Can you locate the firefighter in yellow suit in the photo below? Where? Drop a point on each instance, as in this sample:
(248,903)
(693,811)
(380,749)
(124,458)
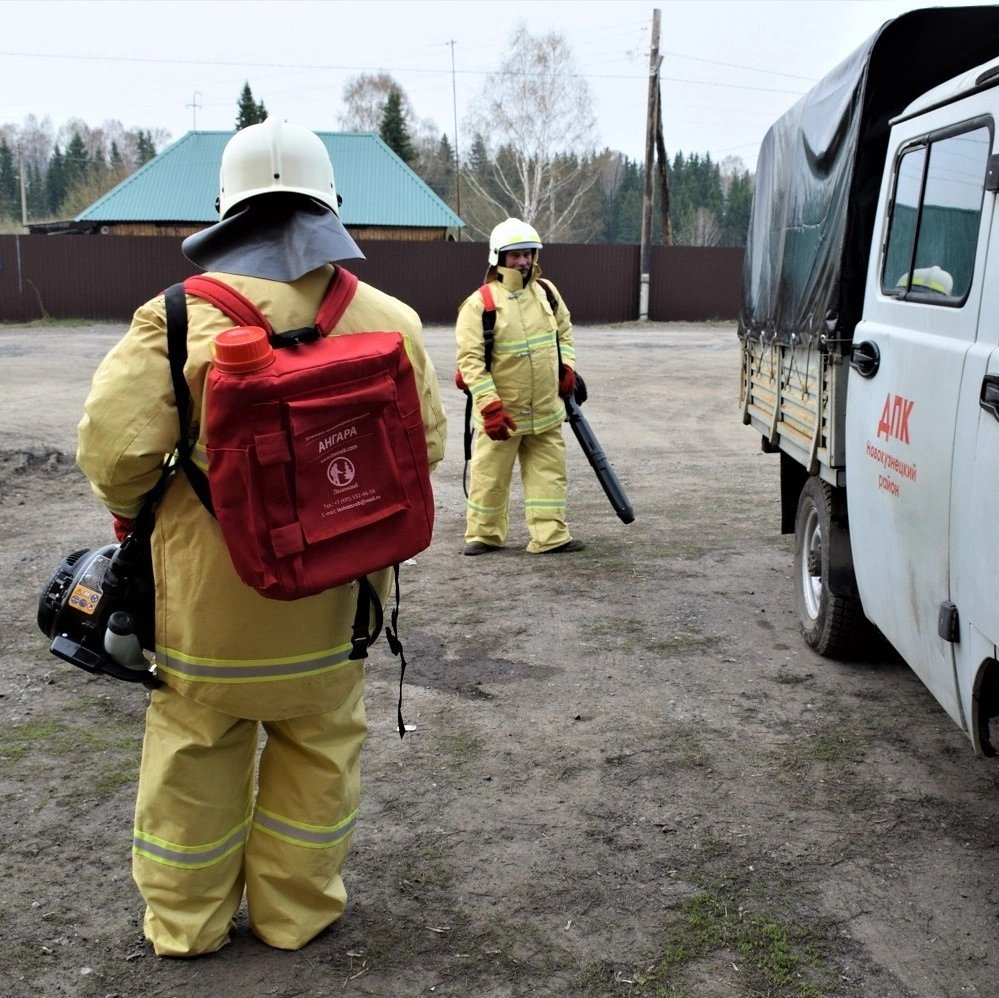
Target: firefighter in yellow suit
(209,825)
(517,397)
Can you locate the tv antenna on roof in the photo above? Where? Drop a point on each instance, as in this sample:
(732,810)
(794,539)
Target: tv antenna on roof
(194,105)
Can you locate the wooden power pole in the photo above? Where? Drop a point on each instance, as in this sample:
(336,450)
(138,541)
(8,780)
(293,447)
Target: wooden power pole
(651,131)
(24,187)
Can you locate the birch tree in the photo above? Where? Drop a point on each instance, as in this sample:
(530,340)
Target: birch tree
(364,98)
(536,119)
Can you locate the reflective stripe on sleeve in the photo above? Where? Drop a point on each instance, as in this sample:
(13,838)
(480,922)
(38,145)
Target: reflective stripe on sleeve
(486,385)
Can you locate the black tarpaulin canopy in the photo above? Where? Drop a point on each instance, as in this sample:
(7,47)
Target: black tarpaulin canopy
(820,168)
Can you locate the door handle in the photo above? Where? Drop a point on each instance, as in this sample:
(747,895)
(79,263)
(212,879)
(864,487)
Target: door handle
(865,359)
(989,399)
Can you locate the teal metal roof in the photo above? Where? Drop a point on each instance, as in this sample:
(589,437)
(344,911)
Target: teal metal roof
(181,185)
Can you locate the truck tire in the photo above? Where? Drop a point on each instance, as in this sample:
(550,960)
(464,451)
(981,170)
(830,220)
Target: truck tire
(834,626)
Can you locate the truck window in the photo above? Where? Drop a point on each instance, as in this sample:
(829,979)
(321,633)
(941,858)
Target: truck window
(935,216)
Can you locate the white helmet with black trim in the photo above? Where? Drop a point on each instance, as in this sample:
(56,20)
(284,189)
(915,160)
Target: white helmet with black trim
(512,234)
(275,157)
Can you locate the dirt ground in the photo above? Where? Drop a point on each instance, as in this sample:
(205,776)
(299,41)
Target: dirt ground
(627,776)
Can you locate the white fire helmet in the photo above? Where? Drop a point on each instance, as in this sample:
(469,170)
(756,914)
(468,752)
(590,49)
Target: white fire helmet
(275,157)
(512,234)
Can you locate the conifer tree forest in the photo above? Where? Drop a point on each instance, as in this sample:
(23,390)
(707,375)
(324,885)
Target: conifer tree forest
(573,195)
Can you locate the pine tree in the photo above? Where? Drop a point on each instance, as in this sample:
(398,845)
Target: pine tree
(249,111)
(55,181)
(738,209)
(394,132)
(9,193)
(145,150)
(478,156)
(76,165)
(37,201)
(625,222)
(437,169)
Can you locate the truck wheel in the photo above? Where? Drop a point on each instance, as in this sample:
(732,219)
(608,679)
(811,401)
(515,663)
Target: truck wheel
(832,625)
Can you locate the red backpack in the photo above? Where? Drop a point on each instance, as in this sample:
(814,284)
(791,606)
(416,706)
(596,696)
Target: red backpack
(317,463)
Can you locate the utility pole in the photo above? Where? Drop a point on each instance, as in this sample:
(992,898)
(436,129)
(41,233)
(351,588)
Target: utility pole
(457,160)
(24,192)
(655,61)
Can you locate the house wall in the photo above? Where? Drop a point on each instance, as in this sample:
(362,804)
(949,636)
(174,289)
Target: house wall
(148,229)
(184,229)
(80,277)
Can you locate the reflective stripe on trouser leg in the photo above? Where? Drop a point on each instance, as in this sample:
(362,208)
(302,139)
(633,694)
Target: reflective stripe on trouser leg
(488,518)
(542,470)
(309,786)
(192,817)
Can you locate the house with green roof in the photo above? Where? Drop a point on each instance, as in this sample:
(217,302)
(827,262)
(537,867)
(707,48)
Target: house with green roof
(174,193)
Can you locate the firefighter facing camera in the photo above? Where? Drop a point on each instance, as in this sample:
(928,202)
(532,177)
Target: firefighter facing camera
(212,825)
(517,374)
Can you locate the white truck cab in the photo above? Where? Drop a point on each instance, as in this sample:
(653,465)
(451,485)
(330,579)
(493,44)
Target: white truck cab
(870,351)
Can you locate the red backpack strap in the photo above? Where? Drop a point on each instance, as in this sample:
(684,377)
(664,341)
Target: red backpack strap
(341,290)
(228,300)
(487,298)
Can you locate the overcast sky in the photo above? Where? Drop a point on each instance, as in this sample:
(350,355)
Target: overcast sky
(730,67)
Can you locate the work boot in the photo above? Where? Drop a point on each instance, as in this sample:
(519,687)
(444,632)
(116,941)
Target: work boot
(479,547)
(571,545)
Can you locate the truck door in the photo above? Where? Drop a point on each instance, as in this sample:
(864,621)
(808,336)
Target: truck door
(975,505)
(921,308)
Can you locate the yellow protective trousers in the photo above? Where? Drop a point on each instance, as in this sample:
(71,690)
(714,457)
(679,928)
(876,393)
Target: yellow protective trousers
(543,474)
(202,836)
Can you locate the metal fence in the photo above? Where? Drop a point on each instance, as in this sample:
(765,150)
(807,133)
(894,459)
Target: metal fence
(106,278)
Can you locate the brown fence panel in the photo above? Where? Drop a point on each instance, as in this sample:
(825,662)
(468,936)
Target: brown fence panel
(434,278)
(599,283)
(84,277)
(106,278)
(695,283)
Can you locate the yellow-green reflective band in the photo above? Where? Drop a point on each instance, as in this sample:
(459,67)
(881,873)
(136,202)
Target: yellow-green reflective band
(544,503)
(544,424)
(301,834)
(488,510)
(483,386)
(250,671)
(525,345)
(189,857)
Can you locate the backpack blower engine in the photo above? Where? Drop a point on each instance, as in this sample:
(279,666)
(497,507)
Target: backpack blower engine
(98,610)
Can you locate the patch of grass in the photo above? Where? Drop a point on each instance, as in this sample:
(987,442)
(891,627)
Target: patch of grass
(111,749)
(682,642)
(680,744)
(773,958)
(620,634)
(836,747)
(18,741)
(452,741)
(461,748)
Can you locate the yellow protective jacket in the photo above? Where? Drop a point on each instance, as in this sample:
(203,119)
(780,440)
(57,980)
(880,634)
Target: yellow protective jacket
(217,640)
(526,343)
